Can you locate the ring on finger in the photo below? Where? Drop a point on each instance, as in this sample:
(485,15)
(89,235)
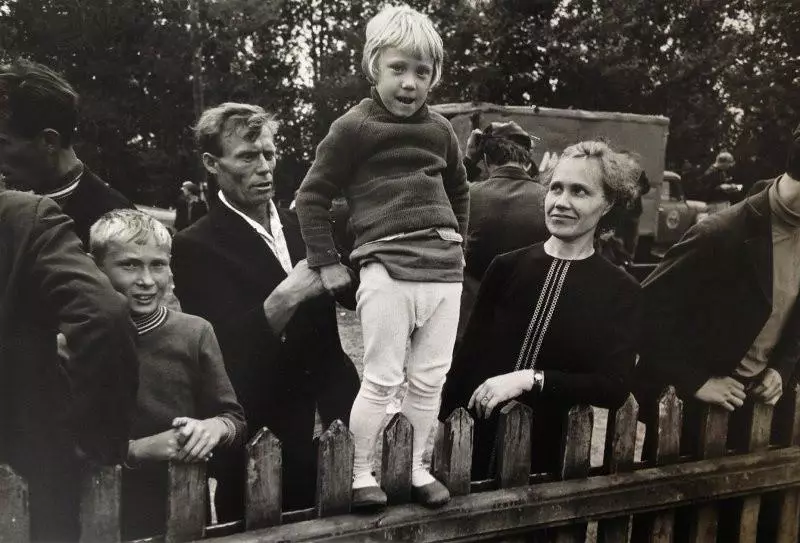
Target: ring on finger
(485,400)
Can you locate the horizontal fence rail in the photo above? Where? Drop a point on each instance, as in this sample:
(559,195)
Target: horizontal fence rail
(668,496)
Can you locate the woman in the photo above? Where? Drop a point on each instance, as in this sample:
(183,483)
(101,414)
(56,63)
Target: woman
(554,324)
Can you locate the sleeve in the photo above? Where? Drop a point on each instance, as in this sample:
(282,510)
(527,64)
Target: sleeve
(455,182)
(215,394)
(103,370)
(240,325)
(324,181)
(607,384)
(671,295)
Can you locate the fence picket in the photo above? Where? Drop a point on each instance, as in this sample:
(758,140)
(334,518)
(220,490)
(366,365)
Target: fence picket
(14,520)
(264,480)
(100,504)
(789,508)
(513,445)
(398,442)
(334,470)
(186,502)
(759,424)
(575,461)
(664,449)
(619,453)
(712,437)
(453,458)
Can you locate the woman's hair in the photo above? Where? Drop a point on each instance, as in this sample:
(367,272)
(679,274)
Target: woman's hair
(619,173)
(406,29)
(126,226)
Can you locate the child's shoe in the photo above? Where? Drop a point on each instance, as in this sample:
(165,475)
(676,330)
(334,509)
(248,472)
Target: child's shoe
(432,495)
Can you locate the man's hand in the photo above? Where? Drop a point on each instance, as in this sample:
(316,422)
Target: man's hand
(499,389)
(198,437)
(473,144)
(300,285)
(335,277)
(770,389)
(725,392)
(156,448)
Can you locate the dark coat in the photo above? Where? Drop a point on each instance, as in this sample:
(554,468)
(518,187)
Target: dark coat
(223,272)
(48,284)
(91,200)
(708,300)
(506,212)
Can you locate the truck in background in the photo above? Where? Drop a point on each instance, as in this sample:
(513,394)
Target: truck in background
(659,227)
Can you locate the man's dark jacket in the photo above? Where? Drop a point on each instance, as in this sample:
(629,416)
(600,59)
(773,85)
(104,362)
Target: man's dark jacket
(223,272)
(48,284)
(91,200)
(708,300)
(506,212)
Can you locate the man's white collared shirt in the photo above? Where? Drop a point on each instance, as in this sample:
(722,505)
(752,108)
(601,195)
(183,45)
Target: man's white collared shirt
(275,241)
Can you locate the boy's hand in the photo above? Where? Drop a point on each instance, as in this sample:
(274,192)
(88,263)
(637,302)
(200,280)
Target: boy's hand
(197,438)
(770,389)
(725,392)
(335,277)
(156,448)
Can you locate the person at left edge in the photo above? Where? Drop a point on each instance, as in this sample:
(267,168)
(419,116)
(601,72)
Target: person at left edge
(38,117)
(242,268)
(54,415)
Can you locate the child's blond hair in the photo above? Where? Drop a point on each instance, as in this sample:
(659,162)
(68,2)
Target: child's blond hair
(126,226)
(406,29)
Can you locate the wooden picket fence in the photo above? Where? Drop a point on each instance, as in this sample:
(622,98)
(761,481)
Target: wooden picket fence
(649,500)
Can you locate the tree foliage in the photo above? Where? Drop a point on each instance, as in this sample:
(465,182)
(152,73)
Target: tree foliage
(723,71)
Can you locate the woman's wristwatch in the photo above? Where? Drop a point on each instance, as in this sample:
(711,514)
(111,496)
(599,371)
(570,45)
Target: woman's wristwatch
(538,379)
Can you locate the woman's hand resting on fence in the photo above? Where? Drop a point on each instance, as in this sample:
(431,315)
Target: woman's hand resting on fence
(499,389)
(197,438)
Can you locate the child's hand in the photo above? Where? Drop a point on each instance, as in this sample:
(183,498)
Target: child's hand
(335,277)
(197,438)
(157,448)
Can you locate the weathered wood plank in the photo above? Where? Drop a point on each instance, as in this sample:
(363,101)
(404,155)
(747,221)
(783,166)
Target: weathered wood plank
(575,461)
(334,470)
(759,424)
(712,437)
(666,450)
(788,417)
(264,481)
(398,443)
(186,501)
(546,505)
(513,445)
(101,490)
(453,459)
(619,454)
(15,522)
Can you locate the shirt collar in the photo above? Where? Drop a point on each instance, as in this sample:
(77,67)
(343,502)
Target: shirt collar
(68,184)
(274,219)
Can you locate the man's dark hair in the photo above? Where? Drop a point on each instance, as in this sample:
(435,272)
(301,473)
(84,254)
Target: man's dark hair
(793,156)
(33,97)
(501,151)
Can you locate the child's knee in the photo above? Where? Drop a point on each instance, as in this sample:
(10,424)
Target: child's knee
(375,391)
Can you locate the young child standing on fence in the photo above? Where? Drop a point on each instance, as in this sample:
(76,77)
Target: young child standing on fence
(186,405)
(399,166)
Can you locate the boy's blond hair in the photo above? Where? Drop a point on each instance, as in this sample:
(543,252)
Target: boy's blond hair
(406,29)
(126,226)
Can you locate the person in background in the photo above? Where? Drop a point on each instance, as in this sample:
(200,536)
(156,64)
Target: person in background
(186,406)
(38,118)
(506,210)
(56,415)
(191,206)
(400,167)
(555,323)
(242,268)
(716,185)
